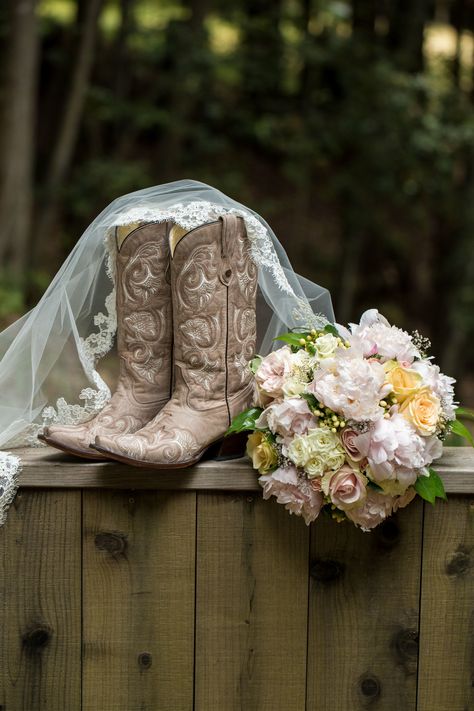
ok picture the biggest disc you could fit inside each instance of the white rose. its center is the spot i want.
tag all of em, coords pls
(315, 467)
(298, 450)
(326, 345)
(293, 386)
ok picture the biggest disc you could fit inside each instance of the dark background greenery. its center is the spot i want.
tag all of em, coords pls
(349, 125)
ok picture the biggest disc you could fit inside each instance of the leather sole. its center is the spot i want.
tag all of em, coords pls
(226, 448)
(84, 454)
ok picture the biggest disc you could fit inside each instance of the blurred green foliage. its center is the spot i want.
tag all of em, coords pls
(340, 122)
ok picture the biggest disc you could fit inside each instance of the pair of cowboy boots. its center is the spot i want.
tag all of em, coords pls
(186, 330)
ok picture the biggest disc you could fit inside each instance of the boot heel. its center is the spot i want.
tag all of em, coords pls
(232, 447)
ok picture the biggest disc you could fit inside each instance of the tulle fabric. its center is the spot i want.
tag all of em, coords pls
(49, 357)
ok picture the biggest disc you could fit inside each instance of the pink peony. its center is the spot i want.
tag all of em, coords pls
(351, 386)
(287, 418)
(273, 370)
(400, 502)
(373, 511)
(346, 488)
(394, 449)
(293, 490)
(375, 334)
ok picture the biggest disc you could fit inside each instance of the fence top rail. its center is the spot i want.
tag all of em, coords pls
(46, 467)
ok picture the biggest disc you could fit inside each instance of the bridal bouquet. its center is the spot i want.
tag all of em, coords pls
(349, 421)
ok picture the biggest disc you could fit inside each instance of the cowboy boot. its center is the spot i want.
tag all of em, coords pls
(144, 342)
(213, 284)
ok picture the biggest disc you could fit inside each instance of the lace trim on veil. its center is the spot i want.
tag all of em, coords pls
(10, 467)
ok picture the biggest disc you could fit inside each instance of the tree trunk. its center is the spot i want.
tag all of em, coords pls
(406, 36)
(63, 151)
(18, 122)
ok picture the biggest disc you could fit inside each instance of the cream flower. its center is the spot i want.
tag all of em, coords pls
(326, 345)
(261, 452)
(442, 385)
(404, 381)
(318, 451)
(294, 386)
(422, 409)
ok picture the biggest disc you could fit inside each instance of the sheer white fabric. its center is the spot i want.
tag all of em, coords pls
(49, 357)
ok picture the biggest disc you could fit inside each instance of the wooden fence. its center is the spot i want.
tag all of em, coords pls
(130, 590)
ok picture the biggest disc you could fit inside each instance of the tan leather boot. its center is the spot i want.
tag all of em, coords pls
(144, 342)
(214, 284)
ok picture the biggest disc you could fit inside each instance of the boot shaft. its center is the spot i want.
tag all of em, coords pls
(144, 313)
(213, 284)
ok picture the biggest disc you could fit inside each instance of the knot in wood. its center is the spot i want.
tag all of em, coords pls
(460, 562)
(406, 644)
(37, 637)
(370, 687)
(388, 533)
(326, 570)
(112, 542)
(145, 660)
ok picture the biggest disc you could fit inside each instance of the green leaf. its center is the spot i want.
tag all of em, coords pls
(311, 400)
(460, 429)
(430, 487)
(465, 412)
(245, 421)
(329, 328)
(293, 339)
(255, 363)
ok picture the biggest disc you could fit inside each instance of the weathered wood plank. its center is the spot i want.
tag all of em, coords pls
(446, 675)
(251, 605)
(40, 602)
(363, 614)
(139, 572)
(46, 467)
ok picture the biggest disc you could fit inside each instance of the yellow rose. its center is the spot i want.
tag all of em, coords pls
(423, 410)
(261, 452)
(404, 381)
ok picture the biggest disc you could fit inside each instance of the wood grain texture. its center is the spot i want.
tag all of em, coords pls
(138, 629)
(363, 614)
(251, 605)
(446, 675)
(45, 466)
(40, 602)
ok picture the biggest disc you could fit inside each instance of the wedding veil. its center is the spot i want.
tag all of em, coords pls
(48, 357)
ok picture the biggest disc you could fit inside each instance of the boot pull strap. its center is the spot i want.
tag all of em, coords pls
(230, 228)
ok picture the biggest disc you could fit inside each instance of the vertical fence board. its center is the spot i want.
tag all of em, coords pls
(40, 602)
(139, 572)
(251, 605)
(446, 678)
(364, 612)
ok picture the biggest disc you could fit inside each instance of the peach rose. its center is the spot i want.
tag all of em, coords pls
(261, 452)
(405, 381)
(422, 409)
(346, 488)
